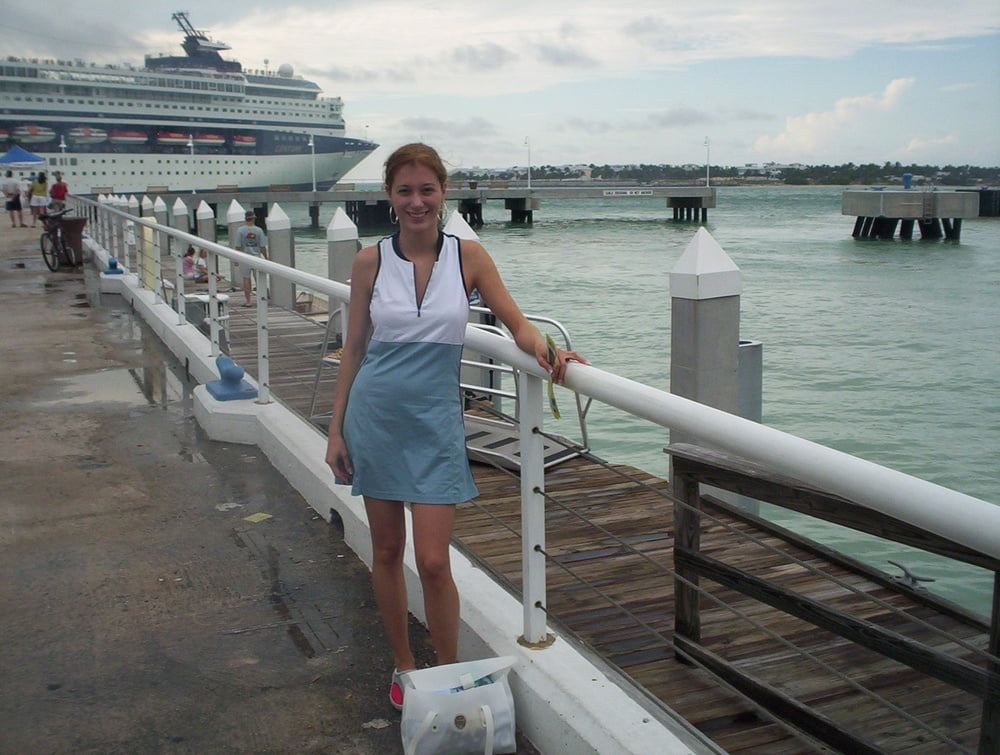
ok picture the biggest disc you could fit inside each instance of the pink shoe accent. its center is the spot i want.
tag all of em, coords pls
(396, 691)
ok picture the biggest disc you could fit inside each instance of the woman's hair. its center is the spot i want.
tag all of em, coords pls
(415, 154)
(41, 177)
(190, 250)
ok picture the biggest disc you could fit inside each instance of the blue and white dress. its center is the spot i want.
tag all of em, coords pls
(403, 425)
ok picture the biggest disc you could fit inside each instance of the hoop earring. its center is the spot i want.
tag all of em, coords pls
(442, 212)
(393, 218)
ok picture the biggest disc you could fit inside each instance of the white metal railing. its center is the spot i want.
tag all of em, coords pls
(969, 521)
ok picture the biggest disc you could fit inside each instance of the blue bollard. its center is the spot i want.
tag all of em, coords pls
(231, 386)
(112, 268)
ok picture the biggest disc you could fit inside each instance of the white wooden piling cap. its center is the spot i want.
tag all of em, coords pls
(132, 202)
(277, 219)
(341, 227)
(159, 205)
(204, 211)
(705, 271)
(179, 207)
(235, 213)
(147, 205)
(457, 226)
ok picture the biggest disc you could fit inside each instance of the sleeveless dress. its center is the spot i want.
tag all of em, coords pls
(403, 425)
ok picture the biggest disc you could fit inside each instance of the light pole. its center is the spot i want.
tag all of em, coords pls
(190, 146)
(708, 161)
(62, 144)
(312, 152)
(527, 144)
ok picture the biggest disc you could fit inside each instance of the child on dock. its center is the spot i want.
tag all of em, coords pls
(396, 432)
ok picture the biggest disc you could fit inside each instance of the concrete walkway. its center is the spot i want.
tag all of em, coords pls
(160, 592)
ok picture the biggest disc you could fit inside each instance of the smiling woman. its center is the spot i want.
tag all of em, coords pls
(397, 431)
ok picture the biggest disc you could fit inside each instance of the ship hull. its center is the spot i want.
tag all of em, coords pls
(143, 172)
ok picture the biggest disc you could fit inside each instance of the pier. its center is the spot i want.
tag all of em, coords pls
(937, 213)
(368, 208)
(649, 616)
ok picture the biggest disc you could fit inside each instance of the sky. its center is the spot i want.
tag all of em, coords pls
(550, 82)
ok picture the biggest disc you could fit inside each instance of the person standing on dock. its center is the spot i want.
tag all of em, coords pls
(58, 193)
(12, 195)
(39, 197)
(250, 239)
(397, 433)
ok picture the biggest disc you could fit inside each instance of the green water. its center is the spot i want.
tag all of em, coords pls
(884, 350)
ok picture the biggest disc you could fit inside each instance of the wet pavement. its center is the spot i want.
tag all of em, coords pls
(160, 592)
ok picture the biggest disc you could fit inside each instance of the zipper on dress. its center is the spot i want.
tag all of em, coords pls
(421, 302)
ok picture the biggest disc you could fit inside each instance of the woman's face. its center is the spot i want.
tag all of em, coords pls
(416, 196)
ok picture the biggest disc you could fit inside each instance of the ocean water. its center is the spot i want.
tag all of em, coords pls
(886, 350)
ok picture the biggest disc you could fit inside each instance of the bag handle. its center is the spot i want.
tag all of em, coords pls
(490, 729)
(424, 727)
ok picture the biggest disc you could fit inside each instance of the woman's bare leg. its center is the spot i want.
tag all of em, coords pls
(432, 526)
(388, 532)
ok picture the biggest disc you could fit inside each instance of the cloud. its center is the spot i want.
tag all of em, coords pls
(678, 117)
(437, 127)
(917, 146)
(806, 135)
(958, 86)
(483, 57)
(561, 56)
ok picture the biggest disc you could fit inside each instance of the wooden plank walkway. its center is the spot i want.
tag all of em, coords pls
(611, 584)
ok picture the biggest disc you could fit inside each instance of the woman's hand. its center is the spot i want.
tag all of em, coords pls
(553, 359)
(339, 460)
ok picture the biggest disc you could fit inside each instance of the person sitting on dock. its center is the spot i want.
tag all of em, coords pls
(251, 240)
(396, 431)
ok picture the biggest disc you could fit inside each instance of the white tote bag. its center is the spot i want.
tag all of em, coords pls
(459, 708)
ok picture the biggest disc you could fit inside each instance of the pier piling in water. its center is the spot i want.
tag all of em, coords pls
(938, 214)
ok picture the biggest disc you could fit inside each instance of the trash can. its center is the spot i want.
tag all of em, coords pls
(73, 236)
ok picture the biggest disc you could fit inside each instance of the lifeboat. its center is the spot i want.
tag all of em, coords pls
(87, 135)
(171, 138)
(209, 140)
(119, 136)
(244, 140)
(34, 134)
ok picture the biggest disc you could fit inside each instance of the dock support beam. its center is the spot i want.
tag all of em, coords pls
(471, 211)
(521, 209)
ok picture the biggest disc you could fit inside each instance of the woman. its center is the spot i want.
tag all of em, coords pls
(39, 197)
(397, 431)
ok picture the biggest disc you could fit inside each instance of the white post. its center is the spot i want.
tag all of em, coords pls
(205, 219)
(235, 217)
(162, 245)
(312, 151)
(341, 247)
(708, 161)
(263, 355)
(181, 222)
(527, 144)
(532, 508)
(281, 249)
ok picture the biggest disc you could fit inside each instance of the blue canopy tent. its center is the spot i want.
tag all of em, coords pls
(18, 158)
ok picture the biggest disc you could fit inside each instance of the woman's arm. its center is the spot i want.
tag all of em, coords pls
(482, 274)
(355, 343)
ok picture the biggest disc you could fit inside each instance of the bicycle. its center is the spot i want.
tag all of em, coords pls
(55, 250)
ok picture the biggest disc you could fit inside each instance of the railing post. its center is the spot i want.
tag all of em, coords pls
(532, 510)
(205, 219)
(235, 217)
(119, 233)
(181, 221)
(135, 210)
(341, 247)
(280, 249)
(263, 357)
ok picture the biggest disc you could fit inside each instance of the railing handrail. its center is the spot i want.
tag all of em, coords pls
(966, 520)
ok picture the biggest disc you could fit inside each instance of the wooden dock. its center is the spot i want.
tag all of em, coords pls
(761, 679)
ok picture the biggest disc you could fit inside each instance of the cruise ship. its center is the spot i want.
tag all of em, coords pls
(180, 123)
